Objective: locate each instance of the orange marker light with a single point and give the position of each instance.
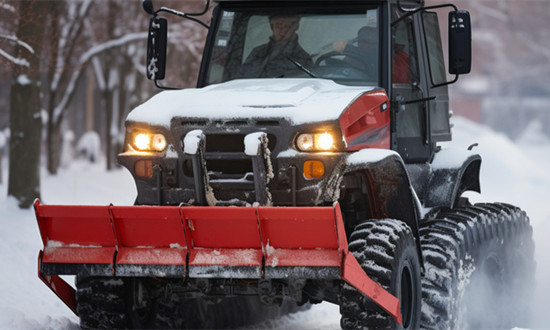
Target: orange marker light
(144, 168)
(313, 169)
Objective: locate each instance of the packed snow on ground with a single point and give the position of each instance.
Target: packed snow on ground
(511, 172)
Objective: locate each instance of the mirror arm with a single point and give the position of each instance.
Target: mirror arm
(187, 15)
(182, 15)
(446, 83)
(165, 87)
(414, 11)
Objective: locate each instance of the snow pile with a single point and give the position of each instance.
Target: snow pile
(2, 140)
(513, 173)
(26, 302)
(191, 142)
(533, 135)
(89, 146)
(253, 143)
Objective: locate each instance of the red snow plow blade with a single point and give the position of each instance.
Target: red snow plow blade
(199, 242)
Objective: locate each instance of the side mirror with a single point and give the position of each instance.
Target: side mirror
(460, 42)
(156, 48)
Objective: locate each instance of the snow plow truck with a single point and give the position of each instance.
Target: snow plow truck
(305, 167)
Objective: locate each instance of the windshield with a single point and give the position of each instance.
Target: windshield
(340, 46)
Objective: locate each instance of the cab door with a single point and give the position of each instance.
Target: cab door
(436, 77)
(410, 137)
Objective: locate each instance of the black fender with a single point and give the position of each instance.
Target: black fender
(451, 173)
(387, 186)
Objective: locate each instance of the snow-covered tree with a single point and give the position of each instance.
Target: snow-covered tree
(62, 69)
(26, 102)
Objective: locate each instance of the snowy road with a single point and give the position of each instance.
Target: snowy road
(511, 172)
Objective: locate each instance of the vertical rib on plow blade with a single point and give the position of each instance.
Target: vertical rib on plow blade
(199, 242)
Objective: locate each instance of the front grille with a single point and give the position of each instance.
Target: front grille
(224, 148)
(232, 142)
(226, 123)
(239, 167)
(193, 122)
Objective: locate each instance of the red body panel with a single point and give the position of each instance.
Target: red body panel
(209, 242)
(366, 122)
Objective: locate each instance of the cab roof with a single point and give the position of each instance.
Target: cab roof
(364, 1)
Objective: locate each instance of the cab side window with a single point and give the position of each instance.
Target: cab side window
(404, 59)
(405, 79)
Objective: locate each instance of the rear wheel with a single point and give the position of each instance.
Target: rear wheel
(479, 267)
(386, 251)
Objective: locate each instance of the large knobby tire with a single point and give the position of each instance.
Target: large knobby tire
(479, 267)
(387, 252)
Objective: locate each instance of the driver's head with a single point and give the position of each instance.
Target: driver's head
(284, 26)
(367, 37)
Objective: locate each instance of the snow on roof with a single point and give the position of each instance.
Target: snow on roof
(298, 100)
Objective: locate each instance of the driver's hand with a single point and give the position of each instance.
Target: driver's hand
(339, 45)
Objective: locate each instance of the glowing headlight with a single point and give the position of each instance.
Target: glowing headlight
(142, 141)
(324, 141)
(149, 142)
(315, 142)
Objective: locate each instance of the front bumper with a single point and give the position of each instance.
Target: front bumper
(231, 176)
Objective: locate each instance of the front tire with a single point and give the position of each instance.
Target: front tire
(386, 250)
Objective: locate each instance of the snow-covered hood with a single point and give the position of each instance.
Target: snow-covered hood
(298, 100)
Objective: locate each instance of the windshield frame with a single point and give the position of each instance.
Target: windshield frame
(298, 8)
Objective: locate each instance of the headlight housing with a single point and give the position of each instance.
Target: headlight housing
(144, 141)
(321, 141)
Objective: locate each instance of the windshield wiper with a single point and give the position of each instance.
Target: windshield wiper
(301, 67)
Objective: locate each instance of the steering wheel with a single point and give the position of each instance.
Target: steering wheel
(358, 59)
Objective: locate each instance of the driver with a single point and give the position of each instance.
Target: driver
(366, 51)
(276, 57)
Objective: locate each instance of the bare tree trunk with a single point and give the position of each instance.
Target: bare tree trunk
(111, 86)
(52, 133)
(53, 138)
(108, 95)
(25, 105)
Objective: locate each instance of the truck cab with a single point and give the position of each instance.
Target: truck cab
(398, 51)
(364, 74)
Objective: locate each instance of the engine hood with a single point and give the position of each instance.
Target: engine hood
(297, 100)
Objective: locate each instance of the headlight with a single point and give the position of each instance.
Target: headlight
(149, 142)
(315, 142)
